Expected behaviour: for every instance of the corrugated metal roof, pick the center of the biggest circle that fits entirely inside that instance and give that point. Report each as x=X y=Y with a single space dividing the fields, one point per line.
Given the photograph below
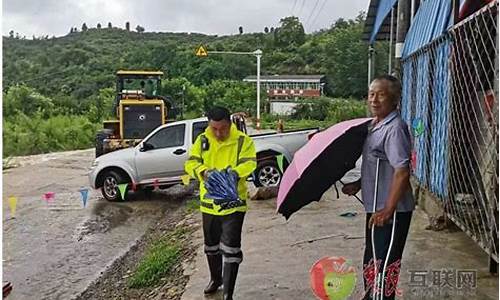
x=432 y=19
x=378 y=20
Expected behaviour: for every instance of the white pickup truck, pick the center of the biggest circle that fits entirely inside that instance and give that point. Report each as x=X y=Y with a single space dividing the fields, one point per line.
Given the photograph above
x=163 y=163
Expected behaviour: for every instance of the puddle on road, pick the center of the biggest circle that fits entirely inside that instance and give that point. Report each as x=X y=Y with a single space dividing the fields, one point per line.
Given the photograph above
x=106 y=216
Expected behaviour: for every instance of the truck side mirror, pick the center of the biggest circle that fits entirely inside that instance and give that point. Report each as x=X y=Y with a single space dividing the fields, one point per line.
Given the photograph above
x=146 y=147
x=239 y=120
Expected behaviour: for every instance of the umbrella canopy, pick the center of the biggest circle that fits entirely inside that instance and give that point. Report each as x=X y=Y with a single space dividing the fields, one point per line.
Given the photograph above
x=320 y=163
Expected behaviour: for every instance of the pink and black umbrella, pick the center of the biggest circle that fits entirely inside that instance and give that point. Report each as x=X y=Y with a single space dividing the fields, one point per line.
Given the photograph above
x=320 y=163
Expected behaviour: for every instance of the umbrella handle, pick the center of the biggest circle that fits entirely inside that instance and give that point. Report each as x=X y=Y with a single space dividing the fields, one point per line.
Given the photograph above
x=355 y=196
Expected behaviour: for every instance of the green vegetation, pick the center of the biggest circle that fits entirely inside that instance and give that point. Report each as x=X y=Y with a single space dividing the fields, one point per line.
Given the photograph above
x=323 y=113
x=33 y=124
x=192 y=205
x=56 y=91
x=6 y=163
x=159 y=260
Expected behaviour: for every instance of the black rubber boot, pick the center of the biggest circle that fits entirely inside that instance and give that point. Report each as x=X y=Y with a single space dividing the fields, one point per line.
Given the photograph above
x=215 y=266
x=230 y=274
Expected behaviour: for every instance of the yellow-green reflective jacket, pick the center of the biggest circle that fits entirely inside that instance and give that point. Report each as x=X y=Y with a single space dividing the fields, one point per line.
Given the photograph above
x=237 y=152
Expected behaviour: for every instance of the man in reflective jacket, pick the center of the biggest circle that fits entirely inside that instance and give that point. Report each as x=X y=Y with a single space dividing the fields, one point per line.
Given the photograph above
x=221 y=146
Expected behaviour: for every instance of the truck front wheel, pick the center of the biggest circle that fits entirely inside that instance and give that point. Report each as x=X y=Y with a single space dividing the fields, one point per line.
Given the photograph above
x=267 y=174
x=110 y=184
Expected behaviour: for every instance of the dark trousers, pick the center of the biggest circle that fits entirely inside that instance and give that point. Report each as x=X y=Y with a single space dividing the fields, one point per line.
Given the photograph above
x=382 y=238
x=223 y=233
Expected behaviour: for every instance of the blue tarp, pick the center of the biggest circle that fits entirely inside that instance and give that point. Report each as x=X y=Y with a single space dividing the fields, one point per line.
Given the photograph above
x=384 y=8
x=420 y=143
x=432 y=19
x=426 y=101
x=408 y=94
x=440 y=115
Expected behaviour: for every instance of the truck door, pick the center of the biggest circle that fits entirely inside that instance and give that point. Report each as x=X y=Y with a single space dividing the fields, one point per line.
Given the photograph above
x=167 y=156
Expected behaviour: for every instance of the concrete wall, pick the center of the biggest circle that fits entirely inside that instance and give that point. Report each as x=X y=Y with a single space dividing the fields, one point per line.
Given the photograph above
x=282 y=108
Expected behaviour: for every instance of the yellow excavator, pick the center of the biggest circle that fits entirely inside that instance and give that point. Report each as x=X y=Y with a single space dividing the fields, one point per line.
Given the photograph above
x=138 y=108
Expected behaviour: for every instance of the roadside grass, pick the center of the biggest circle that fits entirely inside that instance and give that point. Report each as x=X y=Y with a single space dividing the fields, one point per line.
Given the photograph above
x=158 y=261
x=192 y=205
x=7 y=163
x=163 y=254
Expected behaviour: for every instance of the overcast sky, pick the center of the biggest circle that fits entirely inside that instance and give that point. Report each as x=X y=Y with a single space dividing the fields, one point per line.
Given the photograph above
x=56 y=17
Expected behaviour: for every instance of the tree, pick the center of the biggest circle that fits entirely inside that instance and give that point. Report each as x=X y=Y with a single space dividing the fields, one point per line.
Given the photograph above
x=26 y=100
x=237 y=96
x=102 y=105
x=271 y=30
x=11 y=34
x=139 y=29
x=180 y=89
x=266 y=29
x=346 y=60
x=84 y=27
x=127 y=26
x=315 y=110
x=110 y=25
x=340 y=23
x=240 y=29
x=71 y=30
x=208 y=71
x=98 y=25
x=290 y=32
x=73 y=56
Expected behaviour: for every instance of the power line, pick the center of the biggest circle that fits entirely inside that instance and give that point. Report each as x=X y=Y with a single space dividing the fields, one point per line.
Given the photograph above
x=313 y=10
x=318 y=14
x=293 y=7
x=301 y=8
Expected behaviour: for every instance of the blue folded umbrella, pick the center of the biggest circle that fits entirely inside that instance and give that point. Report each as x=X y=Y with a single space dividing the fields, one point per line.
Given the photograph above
x=222 y=187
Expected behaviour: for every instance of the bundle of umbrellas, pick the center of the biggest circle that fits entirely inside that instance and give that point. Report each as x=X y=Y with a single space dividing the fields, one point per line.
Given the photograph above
x=222 y=187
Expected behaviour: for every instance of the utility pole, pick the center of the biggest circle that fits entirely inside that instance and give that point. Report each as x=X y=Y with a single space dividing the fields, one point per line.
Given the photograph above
x=258 y=54
x=414 y=7
x=371 y=64
x=183 y=93
x=403 y=24
x=202 y=52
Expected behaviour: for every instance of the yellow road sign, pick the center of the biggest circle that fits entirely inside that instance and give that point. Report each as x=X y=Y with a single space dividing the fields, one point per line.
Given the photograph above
x=200 y=52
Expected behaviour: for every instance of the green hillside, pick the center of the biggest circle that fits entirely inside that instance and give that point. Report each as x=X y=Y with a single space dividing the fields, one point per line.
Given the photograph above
x=53 y=85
